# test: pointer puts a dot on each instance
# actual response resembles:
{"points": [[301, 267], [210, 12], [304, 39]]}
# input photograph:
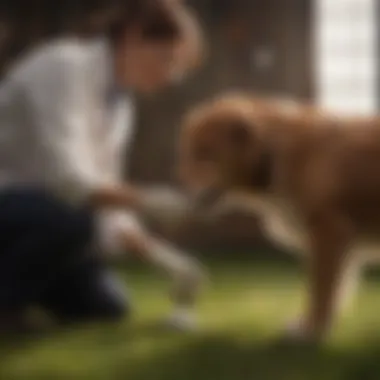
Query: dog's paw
{"points": [[296, 331], [299, 333]]}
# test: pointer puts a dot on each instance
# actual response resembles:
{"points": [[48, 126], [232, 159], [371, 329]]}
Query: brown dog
{"points": [[313, 176]]}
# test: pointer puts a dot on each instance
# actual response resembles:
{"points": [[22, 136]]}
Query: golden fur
{"points": [[313, 176]]}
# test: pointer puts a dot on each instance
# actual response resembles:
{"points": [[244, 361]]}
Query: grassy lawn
{"points": [[242, 312]]}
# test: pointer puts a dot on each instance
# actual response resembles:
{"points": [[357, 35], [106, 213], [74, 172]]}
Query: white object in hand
{"points": [[164, 204]]}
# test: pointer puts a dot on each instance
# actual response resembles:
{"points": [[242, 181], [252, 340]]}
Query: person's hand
{"points": [[122, 195], [131, 196]]}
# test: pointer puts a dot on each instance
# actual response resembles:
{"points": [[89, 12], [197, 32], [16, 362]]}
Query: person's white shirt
{"points": [[57, 130]]}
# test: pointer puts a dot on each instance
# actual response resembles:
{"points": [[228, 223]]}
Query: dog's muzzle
{"points": [[208, 198]]}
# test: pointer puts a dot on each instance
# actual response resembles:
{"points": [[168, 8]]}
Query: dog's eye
{"points": [[203, 154], [239, 133]]}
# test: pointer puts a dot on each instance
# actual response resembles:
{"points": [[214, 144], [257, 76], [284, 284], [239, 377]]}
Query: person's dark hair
{"points": [[31, 22], [157, 20]]}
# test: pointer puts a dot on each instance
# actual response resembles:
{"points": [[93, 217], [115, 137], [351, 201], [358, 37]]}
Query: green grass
{"points": [[242, 313]]}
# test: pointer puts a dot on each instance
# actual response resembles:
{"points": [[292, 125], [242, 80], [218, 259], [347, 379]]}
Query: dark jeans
{"points": [[45, 259]]}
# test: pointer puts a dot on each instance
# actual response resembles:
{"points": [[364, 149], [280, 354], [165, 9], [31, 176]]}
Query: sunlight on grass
{"points": [[242, 311]]}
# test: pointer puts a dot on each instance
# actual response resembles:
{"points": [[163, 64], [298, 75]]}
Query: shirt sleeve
{"points": [[60, 98], [121, 137]]}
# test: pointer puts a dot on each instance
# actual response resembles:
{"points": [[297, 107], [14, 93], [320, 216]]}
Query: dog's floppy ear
{"points": [[240, 134], [262, 172], [255, 151]]}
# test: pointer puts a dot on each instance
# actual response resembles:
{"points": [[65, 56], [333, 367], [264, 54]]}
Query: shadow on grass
{"points": [[146, 351], [217, 358], [194, 357], [100, 334]]}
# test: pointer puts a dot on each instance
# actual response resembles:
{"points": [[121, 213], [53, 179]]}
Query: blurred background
{"points": [[323, 51], [320, 51]]}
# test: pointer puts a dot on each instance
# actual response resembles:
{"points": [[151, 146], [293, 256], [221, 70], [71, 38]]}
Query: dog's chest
{"points": [[284, 228]]}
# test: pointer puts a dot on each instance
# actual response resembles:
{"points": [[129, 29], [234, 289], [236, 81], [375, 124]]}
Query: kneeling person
{"points": [[65, 111]]}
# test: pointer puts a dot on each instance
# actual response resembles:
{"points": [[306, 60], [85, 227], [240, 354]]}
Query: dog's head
{"points": [[223, 147]]}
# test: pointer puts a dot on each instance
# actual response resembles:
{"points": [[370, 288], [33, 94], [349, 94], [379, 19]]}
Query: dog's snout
{"points": [[207, 198]]}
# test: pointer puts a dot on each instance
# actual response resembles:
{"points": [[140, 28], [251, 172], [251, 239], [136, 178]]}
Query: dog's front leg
{"points": [[329, 267]]}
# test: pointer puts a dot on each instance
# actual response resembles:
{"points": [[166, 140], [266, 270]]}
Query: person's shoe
{"points": [[182, 319]]}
